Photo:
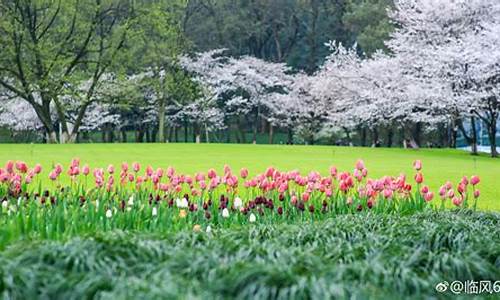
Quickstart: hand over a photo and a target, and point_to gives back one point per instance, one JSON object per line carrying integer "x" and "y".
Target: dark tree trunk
{"x": 390, "y": 136}
{"x": 375, "y": 142}
{"x": 124, "y": 136}
{"x": 363, "y": 137}
{"x": 492, "y": 133}
{"x": 290, "y": 136}
{"x": 271, "y": 133}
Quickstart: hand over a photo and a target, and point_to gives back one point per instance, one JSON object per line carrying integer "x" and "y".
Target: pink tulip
{"x": 417, "y": 165}
{"x": 442, "y": 192}
{"x": 9, "y": 166}
{"x": 21, "y": 166}
{"x": 136, "y": 167}
{"x": 429, "y": 196}
{"x": 474, "y": 180}
{"x": 477, "y": 194}
{"x": 159, "y": 172}
{"x": 85, "y": 170}
{"x": 424, "y": 189}
{"x": 58, "y": 169}
{"x": 464, "y": 180}
{"x": 124, "y": 167}
{"x": 419, "y": 178}
{"x": 212, "y": 173}
{"x": 457, "y": 201}
{"x": 387, "y": 194}
{"x": 53, "y": 175}
{"x": 305, "y": 196}
{"x": 450, "y": 194}
{"x": 360, "y": 165}
{"x": 170, "y": 172}
{"x": 461, "y": 188}
{"x": 333, "y": 171}
{"x": 244, "y": 173}
{"x": 37, "y": 169}
{"x": 149, "y": 171}
{"x": 131, "y": 177}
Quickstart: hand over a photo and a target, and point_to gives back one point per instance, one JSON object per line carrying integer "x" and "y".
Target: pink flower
{"x": 417, "y": 165}
{"x": 136, "y": 167}
{"x": 474, "y": 180}
{"x": 360, "y": 165}
{"x": 124, "y": 167}
{"x": 442, "y": 192}
{"x": 429, "y": 196}
{"x": 21, "y": 166}
{"x": 419, "y": 178}
{"x": 159, "y": 172}
{"x": 149, "y": 171}
{"x": 477, "y": 194}
{"x": 170, "y": 172}
{"x": 37, "y": 169}
{"x": 451, "y": 194}
{"x": 111, "y": 169}
{"x": 457, "y": 201}
{"x": 86, "y": 170}
{"x": 424, "y": 189}
{"x": 333, "y": 171}
{"x": 461, "y": 188}
{"x": 212, "y": 173}
{"x": 387, "y": 193}
{"x": 244, "y": 173}
{"x": 305, "y": 196}
{"x": 9, "y": 166}
{"x": 131, "y": 177}
{"x": 53, "y": 175}
{"x": 58, "y": 169}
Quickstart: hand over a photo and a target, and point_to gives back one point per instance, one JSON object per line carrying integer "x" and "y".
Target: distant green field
{"x": 439, "y": 164}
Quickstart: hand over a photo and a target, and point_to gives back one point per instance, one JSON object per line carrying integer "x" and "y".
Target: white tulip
{"x": 155, "y": 211}
{"x": 109, "y": 213}
{"x": 5, "y": 204}
{"x": 237, "y": 202}
{"x": 225, "y": 213}
{"x": 182, "y": 203}
{"x": 131, "y": 200}
{"x": 209, "y": 229}
{"x": 252, "y": 218}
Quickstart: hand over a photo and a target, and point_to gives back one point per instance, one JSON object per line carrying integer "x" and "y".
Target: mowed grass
{"x": 440, "y": 165}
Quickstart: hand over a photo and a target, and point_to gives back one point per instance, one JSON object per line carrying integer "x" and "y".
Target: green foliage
{"x": 368, "y": 21}
{"x": 354, "y": 256}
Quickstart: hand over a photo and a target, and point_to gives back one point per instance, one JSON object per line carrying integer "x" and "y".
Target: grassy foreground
{"x": 350, "y": 256}
{"x": 440, "y": 165}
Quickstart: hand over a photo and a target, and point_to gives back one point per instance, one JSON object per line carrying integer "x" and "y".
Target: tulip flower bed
{"x": 161, "y": 200}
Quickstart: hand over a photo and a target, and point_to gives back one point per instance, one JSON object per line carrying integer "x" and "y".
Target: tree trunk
{"x": 290, "y": 136}
{"x": 416, "y": 134}
{"x": 271, "y": 133}
{"x": 492, "y": 133}
{"x": 375, "y": 137}
{"x": 161, "y": 121}
{"x": 474, "y": 136}
{"x": 124, "y": 135}
{"x": 185, "y": 132}
{"x": 363, "y": 136}
{"x": 390, "y": 135}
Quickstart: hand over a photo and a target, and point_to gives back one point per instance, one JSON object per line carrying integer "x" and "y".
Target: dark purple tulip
{"x": 359, "y": 208}
{"x": 280, "y": 210}
{"x": 208, "y": 215}
{"x": 122, "y": 205}
{"x": 311, "y": 208}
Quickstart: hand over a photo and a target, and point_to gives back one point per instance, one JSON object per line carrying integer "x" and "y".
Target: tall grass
{"x": 347, "y": 256}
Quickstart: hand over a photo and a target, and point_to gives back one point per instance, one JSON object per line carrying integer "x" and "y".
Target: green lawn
{"x": 439, "y": 164}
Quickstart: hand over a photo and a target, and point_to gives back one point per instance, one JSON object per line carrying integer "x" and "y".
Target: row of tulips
{"x": 136, "y": 197}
